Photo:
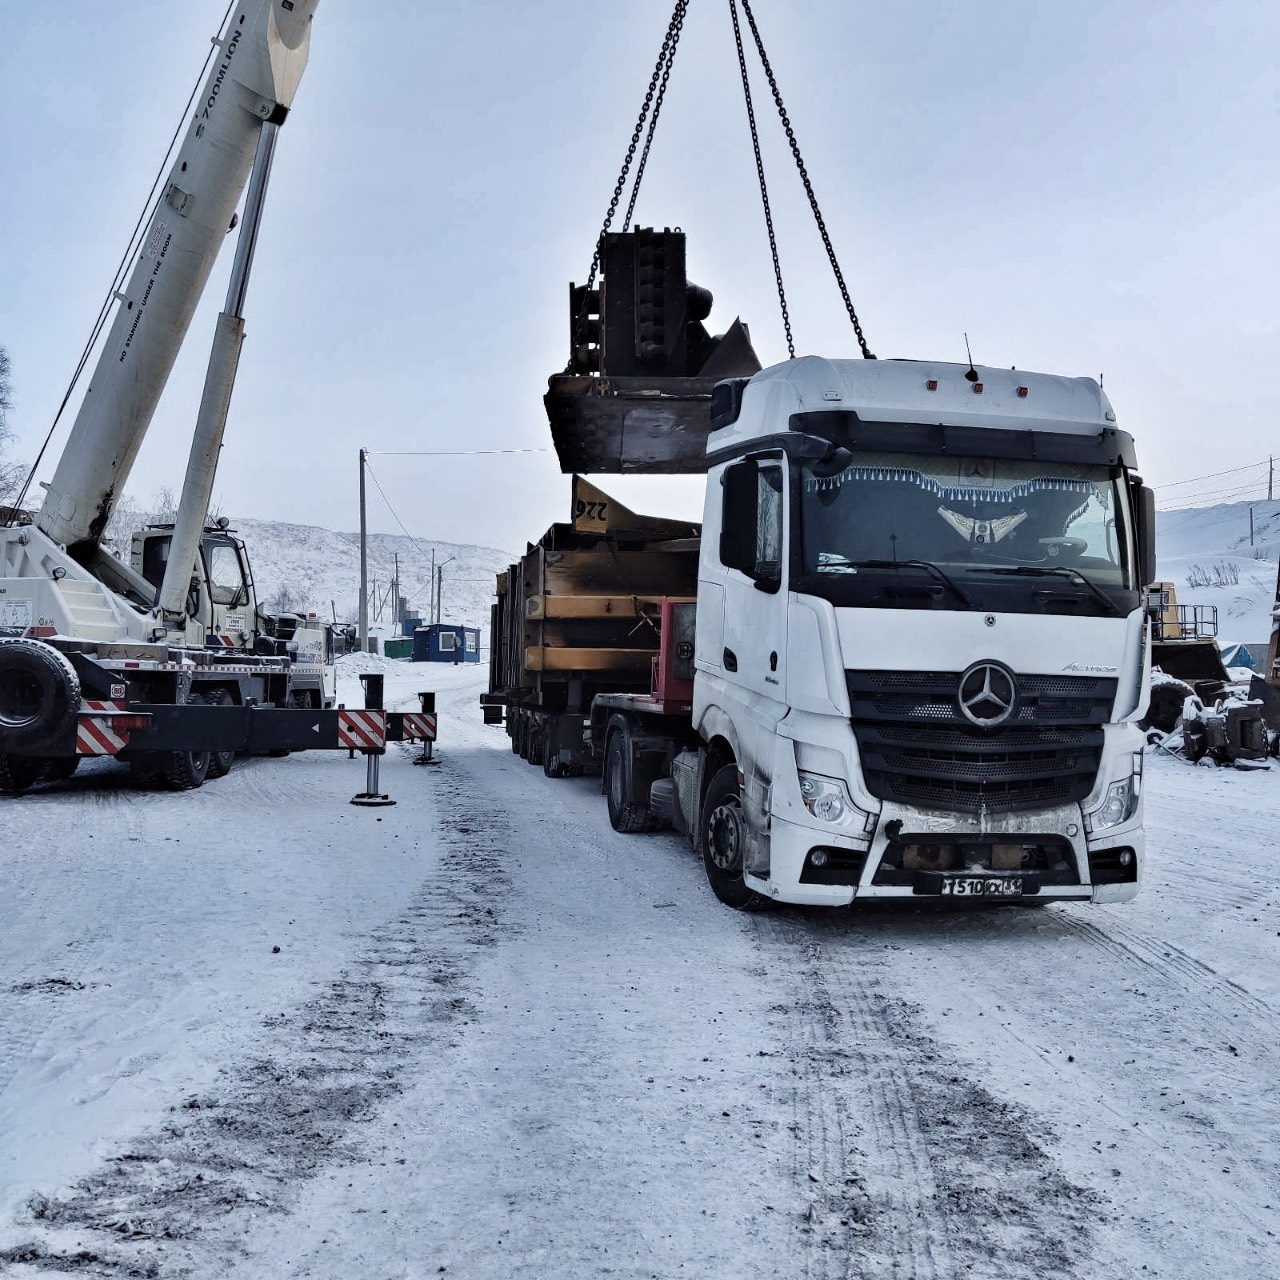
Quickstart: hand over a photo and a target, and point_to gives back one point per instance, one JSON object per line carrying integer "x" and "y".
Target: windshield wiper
{"x": 927, "y": 565}
{"x": 1058, "y": 571}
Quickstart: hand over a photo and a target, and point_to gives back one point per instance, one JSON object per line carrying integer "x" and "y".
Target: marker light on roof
{"x": 931, "y": 385}
{"x": 977, "y": 388}
{"x": 1022, "y": 393}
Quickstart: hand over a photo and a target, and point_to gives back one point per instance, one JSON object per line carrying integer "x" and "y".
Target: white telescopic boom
{"x": 260, "y": 59}
{"x": 206, "y": 444}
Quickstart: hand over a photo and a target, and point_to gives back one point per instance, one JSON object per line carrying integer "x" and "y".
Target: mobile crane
{"x": 166, "y": 661}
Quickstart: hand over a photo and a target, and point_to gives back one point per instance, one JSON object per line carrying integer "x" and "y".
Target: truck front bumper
{"x": 1067, "y": 864}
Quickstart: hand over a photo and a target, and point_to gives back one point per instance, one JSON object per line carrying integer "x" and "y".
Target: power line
{"x": 447, "y": 453}
{"x": 1213, "y": 475}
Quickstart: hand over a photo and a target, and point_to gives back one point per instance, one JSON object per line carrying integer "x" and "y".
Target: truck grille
{"x": 917, "y": 747}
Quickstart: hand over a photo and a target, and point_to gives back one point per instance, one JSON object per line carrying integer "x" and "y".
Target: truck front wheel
{"x": 723, "y": 831}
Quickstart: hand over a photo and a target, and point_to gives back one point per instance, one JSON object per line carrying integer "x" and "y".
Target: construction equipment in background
{"x": 1184, "y": 646}
{"x": 167, "y": 662}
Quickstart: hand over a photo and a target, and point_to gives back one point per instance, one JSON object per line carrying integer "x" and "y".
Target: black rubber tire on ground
{"x": 522, "y": 737}
{"x": 220, "y": 761}
{"x": 625, "y": 814}
{"x": 39, "y": 695}
{"x": 59, "y": 768}
{"x": 721, "y": 827}
{"x": 537, "y": 744}
{"x": 513, "y": 731}
{"x": 187, "y": 770}
{"x": 1165, "y": 708}
{"x": 17, "y": 773}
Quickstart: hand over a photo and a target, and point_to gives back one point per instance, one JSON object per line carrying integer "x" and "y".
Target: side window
{"x": 448, "y": 641}
{"x": 769, "y": 523}
{"x": 472, "y": 643}
{"x": 226, "y": 582}
{"x": 751, "y": 527}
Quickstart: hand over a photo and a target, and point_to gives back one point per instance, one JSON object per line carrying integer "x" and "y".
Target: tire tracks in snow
{"x": 177, "y": 1201}
{"x": 917, "y": 1172}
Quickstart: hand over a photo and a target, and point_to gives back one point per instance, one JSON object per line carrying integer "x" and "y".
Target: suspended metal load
{"x": 637, "y": 394}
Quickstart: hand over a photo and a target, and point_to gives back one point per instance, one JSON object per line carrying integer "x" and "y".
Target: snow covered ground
{"x": 481, "y": 1035}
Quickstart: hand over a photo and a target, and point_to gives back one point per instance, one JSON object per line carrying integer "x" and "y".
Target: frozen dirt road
{"x": 500, "y": 1040}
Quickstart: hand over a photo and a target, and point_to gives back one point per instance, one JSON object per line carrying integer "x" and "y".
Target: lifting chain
{"x": 764, "y": 189}
{"x": 653, "y": 99}
{"x": 804, "y": 177}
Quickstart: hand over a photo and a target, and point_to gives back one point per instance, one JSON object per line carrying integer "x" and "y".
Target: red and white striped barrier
{"x": 362, "y": 730}
{"x": 95, "y": 734}
{"x": 419, "y": 726}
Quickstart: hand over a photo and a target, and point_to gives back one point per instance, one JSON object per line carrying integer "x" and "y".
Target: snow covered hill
{"x": 1207, "y": 554}
{"x": 303, "y": 566}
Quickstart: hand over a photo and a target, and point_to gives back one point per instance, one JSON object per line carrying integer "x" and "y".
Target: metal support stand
{"x": 371, "y": 797}
{"x": 428, "y": 701}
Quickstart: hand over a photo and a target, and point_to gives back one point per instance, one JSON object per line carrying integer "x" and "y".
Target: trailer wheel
{"x": 39, "y": 695}
{"x": 624, "y": 813}
{"x": 17, "y": 773}
{"x": 187, "y": 770}
{"x": 722, "y": 832}
{"x": 537, "y": 744}
{"x": 220, "y": 761}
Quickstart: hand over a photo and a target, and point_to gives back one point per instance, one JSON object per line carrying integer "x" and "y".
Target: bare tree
{"x": 12, "y": 472}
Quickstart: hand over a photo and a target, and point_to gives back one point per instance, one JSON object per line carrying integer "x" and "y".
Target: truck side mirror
{"x": 738, "y": 517}
{"x": 1144, "y": 506}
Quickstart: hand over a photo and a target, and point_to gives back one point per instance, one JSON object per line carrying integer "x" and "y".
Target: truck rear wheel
{"x": 722, "y": 833}
{"x": 625, "y": 814}
{"x": 39, "y": 695}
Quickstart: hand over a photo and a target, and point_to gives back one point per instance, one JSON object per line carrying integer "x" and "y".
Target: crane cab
{"x": 222, "y": 598}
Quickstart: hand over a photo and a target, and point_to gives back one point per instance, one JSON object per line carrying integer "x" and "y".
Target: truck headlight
{"x": 828, "y": 799}
{"x": 1121, "y": 801}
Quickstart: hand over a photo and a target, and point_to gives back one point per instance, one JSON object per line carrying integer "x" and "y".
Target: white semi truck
{"x": 921, "y": 651}
{"x": 167, "y": 661}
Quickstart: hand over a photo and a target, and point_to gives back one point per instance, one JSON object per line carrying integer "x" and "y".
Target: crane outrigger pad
{"x": 645, "y": 425}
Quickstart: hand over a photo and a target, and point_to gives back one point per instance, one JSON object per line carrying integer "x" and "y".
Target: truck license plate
{"x": 981, "y": 886}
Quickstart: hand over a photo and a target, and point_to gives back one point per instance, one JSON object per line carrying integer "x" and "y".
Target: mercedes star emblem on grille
{"x": 988, "y": 694}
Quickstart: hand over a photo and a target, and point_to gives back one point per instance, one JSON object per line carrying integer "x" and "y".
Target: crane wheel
{"x": 39, "y": 695}
{"x": 220, "y": 761}
{"x": 187, "y": 770}
{"x": 17, "y": 773}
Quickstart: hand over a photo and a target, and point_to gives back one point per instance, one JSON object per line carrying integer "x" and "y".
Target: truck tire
{"x": 187, "y": 770}
{"x": 220, "y": 761}
{"x": 39, "y": 695}
{"x": 537, "y": 743}
{"x": 721, "y": 831}
{"x": 17, "y": 773}
{"x": 624, "y": 813}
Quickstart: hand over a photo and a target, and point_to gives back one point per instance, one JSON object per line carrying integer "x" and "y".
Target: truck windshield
{"x": 907, "y": 530}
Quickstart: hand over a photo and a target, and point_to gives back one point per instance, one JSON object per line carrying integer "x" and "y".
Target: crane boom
{"x": 261, "y": 56}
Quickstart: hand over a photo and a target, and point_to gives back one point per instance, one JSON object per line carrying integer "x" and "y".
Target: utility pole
{"x": 395, "y": 598}
{"x": 364, "y": 565}
{"x": 1271, "y": 476}
{"x": 431, "y": 599}
{"x": 1251, "y": 525}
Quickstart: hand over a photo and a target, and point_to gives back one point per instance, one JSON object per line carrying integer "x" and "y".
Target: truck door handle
{"x": 730, "y": 660}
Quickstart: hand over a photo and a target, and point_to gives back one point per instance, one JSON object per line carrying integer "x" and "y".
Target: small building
{"x": 444, "y": 642}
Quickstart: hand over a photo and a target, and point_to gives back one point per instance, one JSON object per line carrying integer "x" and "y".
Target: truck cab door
{"x": 753, "y": 547}
{"x": 230, "y": 599}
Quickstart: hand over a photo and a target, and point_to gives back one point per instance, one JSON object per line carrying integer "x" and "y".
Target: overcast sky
{"x": 1085, "y": 188}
